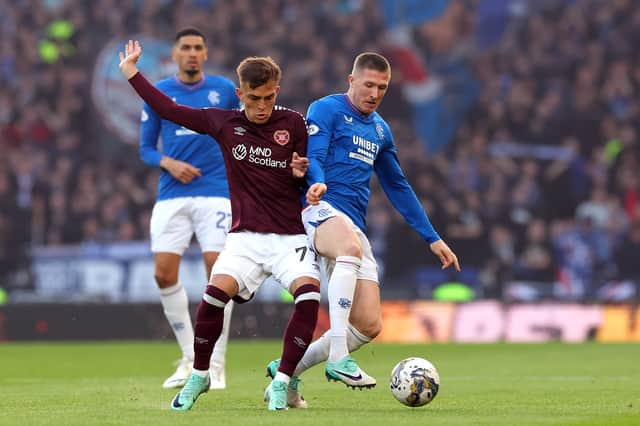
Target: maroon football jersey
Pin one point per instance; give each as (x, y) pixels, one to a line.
(265, 196)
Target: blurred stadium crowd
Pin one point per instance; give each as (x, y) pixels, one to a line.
(537, 190)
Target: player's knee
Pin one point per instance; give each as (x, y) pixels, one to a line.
(369, 327)
(373, 329)
(165, 279)
(309, 284)
(351, 247)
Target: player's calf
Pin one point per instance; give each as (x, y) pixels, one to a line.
(299, 332)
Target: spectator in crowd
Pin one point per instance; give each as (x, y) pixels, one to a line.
(560, 88)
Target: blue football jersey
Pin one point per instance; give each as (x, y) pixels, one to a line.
(183, 144)
(345, 148)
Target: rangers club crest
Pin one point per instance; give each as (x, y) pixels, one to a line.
(214, 97)
(281, 137)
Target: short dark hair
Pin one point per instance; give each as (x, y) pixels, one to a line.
(371, 60)
(189, 31)
(258, 70)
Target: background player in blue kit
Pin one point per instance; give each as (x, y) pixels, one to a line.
(193, 195)
(348, 141)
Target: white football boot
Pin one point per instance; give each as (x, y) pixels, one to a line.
(217, 376)
(180, 377)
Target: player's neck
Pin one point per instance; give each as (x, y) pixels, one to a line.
(189, 78)
(353, 105)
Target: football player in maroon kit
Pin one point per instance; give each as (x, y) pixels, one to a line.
(261, 144)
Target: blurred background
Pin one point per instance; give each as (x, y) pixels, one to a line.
(516, 122)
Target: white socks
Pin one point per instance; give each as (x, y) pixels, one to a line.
(220, 348)
(176, 308)
(342, 285)
(318, 351)
(355, 339)
(281, 377)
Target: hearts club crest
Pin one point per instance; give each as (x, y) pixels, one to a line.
(281, 137)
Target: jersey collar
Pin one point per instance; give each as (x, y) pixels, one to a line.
(354, 109)
(190, 86)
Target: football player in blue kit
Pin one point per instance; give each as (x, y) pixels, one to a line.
(193, 195)
(348, 141)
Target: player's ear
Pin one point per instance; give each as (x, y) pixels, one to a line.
(173, 53)
(350, 79)
(239, 93)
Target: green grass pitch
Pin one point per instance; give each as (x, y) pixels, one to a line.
(119, 383)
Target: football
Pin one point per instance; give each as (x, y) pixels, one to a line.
(414, 382)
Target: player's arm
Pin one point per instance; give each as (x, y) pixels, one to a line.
(192, 118)
(300, 163)
(149, 133)
(180, 170)
(404, 199)
(319, 129)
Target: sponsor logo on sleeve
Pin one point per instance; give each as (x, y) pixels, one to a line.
(312, 129)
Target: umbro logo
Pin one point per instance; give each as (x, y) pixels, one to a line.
(347, 119)
(299, 342)
(240, 131)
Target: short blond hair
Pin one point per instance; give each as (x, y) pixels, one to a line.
(371, 60)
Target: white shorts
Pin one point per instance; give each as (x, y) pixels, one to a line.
(174, 221)
(251, 257)
(312, 216)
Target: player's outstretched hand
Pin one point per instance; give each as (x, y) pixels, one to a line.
(445, 254)
(315, 193)
(132, 52)
(180, 170)
(299, 164)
